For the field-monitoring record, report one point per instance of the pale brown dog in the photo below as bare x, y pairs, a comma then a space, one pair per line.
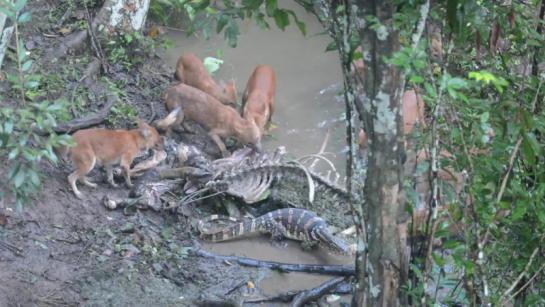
108, 148
190, 70
221, 121
258, 99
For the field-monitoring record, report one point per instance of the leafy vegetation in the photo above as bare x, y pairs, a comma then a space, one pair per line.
26, 126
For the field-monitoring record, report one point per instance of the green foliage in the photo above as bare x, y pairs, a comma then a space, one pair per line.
127, 48
26, 127
487, 106
208, 18
122, 112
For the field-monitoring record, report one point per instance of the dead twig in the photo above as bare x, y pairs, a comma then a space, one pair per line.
12, 248
340, 270
343, 287
503, 298
95, 43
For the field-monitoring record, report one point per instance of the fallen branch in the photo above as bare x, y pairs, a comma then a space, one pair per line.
341, 270
343, 287
12, 248
87, 121
313, 294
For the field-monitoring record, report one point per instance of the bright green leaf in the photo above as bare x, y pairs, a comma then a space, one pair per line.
25, 17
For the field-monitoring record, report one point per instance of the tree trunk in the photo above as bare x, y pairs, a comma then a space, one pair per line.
387, 257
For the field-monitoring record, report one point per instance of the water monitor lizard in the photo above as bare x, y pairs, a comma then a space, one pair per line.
292, 223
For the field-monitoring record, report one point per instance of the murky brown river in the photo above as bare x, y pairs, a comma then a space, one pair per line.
308, 81
307, 107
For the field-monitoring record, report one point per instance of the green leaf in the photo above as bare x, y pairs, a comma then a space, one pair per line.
8, 127
260, 20
281, 19
26, 65
529, 144
457, 83
201, 5
270, 7
301, 25
31, 84
221, 23
231, 33
14, 170
331, 46
519, 210
438, 259
22, 51
540, 215
8, 12
25, 17
416, 79
252, 4
13, 153
19, 5
34, 177
19, 178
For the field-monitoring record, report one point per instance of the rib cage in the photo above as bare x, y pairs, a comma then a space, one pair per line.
263, 175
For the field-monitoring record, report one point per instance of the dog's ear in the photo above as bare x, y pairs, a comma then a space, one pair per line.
144, 128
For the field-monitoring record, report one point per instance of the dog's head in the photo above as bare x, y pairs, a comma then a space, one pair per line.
149, 134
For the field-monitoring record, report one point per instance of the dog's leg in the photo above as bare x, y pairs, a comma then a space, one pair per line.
84, 164
126, 161
220, 144
88, 183
72, 178
110, 175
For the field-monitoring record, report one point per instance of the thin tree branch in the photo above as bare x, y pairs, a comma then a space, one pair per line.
521, 275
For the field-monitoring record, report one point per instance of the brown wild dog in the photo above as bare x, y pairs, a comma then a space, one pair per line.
258, 99
221, 121
108, 148
190, 70
413, 112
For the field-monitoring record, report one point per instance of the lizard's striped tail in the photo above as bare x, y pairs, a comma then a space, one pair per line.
224, 234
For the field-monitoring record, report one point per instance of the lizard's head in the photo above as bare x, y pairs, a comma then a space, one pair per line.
327, 240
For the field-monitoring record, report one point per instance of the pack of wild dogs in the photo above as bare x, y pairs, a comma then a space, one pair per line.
195, 97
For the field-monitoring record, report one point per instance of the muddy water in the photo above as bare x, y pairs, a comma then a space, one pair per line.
307, 109
278, 283
308, 81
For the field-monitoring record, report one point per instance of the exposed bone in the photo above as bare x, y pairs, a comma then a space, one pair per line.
311, 187
158, 157
182, 172
348, 231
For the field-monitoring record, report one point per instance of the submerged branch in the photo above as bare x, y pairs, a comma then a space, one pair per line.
340, 270
344, 287
313, 294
